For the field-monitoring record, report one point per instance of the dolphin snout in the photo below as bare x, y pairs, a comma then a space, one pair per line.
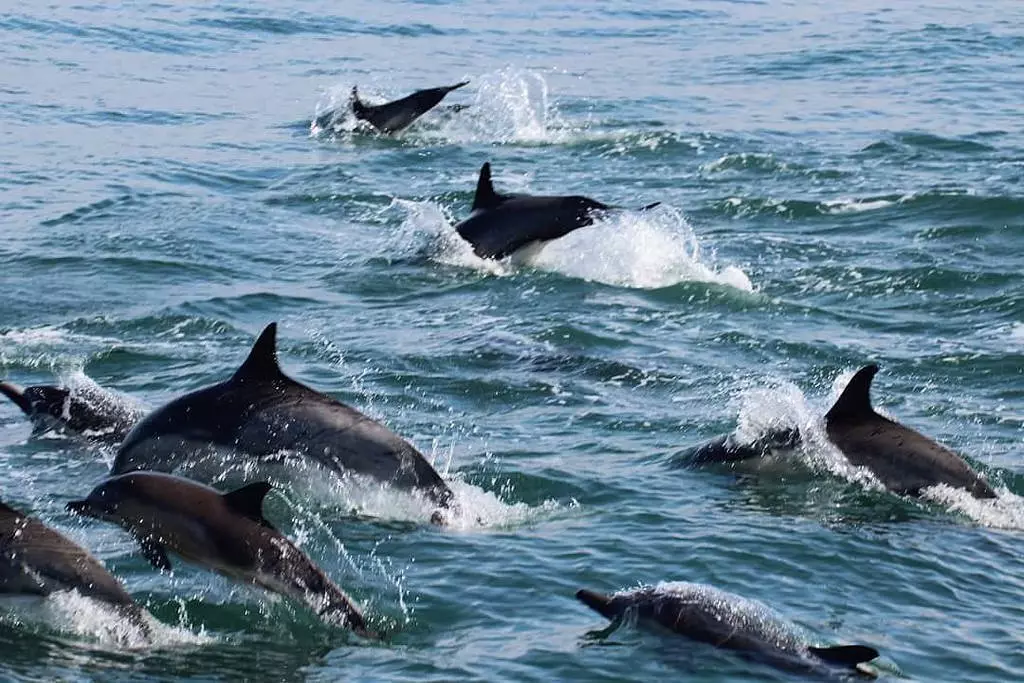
85, 508
602, 604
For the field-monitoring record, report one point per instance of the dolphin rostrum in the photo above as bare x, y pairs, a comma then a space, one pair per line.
501, 224
904, 460
262, 413
392, 117
724, 620
223, 532
37, 560
82, 411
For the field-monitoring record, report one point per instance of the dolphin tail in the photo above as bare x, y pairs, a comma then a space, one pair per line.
600, 603
848, 655
17, 396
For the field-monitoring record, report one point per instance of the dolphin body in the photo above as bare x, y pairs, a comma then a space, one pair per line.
86, 413
728, 448
223, 532
37, 560
501, 224
904, 460
712, 616
261, 412
392, 117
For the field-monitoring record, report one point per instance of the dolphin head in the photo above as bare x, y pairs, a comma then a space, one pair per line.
104, 502
37, 400
584, 209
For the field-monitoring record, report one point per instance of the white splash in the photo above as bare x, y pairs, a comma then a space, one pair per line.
845, 206
645, 250
1006, 511
91, 620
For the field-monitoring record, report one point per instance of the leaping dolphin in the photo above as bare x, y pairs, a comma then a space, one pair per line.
261, 412
712, 616
85, 413
223, 532
904, 460
501, 224
392, 117
37, 560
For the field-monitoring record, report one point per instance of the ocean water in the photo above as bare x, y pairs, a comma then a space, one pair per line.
840, 184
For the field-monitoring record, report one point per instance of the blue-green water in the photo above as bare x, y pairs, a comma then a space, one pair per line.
839, 186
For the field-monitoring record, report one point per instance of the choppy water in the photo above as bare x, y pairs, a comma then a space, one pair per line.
839, 185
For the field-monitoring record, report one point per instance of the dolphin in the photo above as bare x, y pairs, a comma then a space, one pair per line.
501, 224
223, 532
729, 448
88, 413
724, 620
37, 560
904, 460
261, 412
392, 117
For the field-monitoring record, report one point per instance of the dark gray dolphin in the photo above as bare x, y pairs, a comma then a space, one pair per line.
501, 224
904, 460
37, 560
226, 533
392, 117
82, 412
729, 448
708, 615
261, 412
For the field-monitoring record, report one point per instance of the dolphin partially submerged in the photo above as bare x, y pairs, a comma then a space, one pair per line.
724, 620
904, 460
392, 117
37, 560
260, 412
501, 224
223, 532
79, 411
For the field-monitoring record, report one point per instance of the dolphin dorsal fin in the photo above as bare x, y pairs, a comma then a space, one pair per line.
851, 655
262, 361
855, 401
248, 501
485, 197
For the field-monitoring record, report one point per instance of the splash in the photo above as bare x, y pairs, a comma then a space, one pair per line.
1006, 511
643, 250
90, 620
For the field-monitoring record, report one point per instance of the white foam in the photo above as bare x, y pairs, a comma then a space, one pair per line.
646, 250
71, 612
1006, 511
844, 206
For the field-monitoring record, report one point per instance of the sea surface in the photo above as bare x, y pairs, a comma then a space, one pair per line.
841, 184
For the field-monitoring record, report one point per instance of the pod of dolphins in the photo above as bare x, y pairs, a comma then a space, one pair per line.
259, 414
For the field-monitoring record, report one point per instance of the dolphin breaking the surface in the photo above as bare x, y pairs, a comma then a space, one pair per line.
223, 532
724, 620
902, 459
262, 413
392, 117
83, 412
37, 560
501, 224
